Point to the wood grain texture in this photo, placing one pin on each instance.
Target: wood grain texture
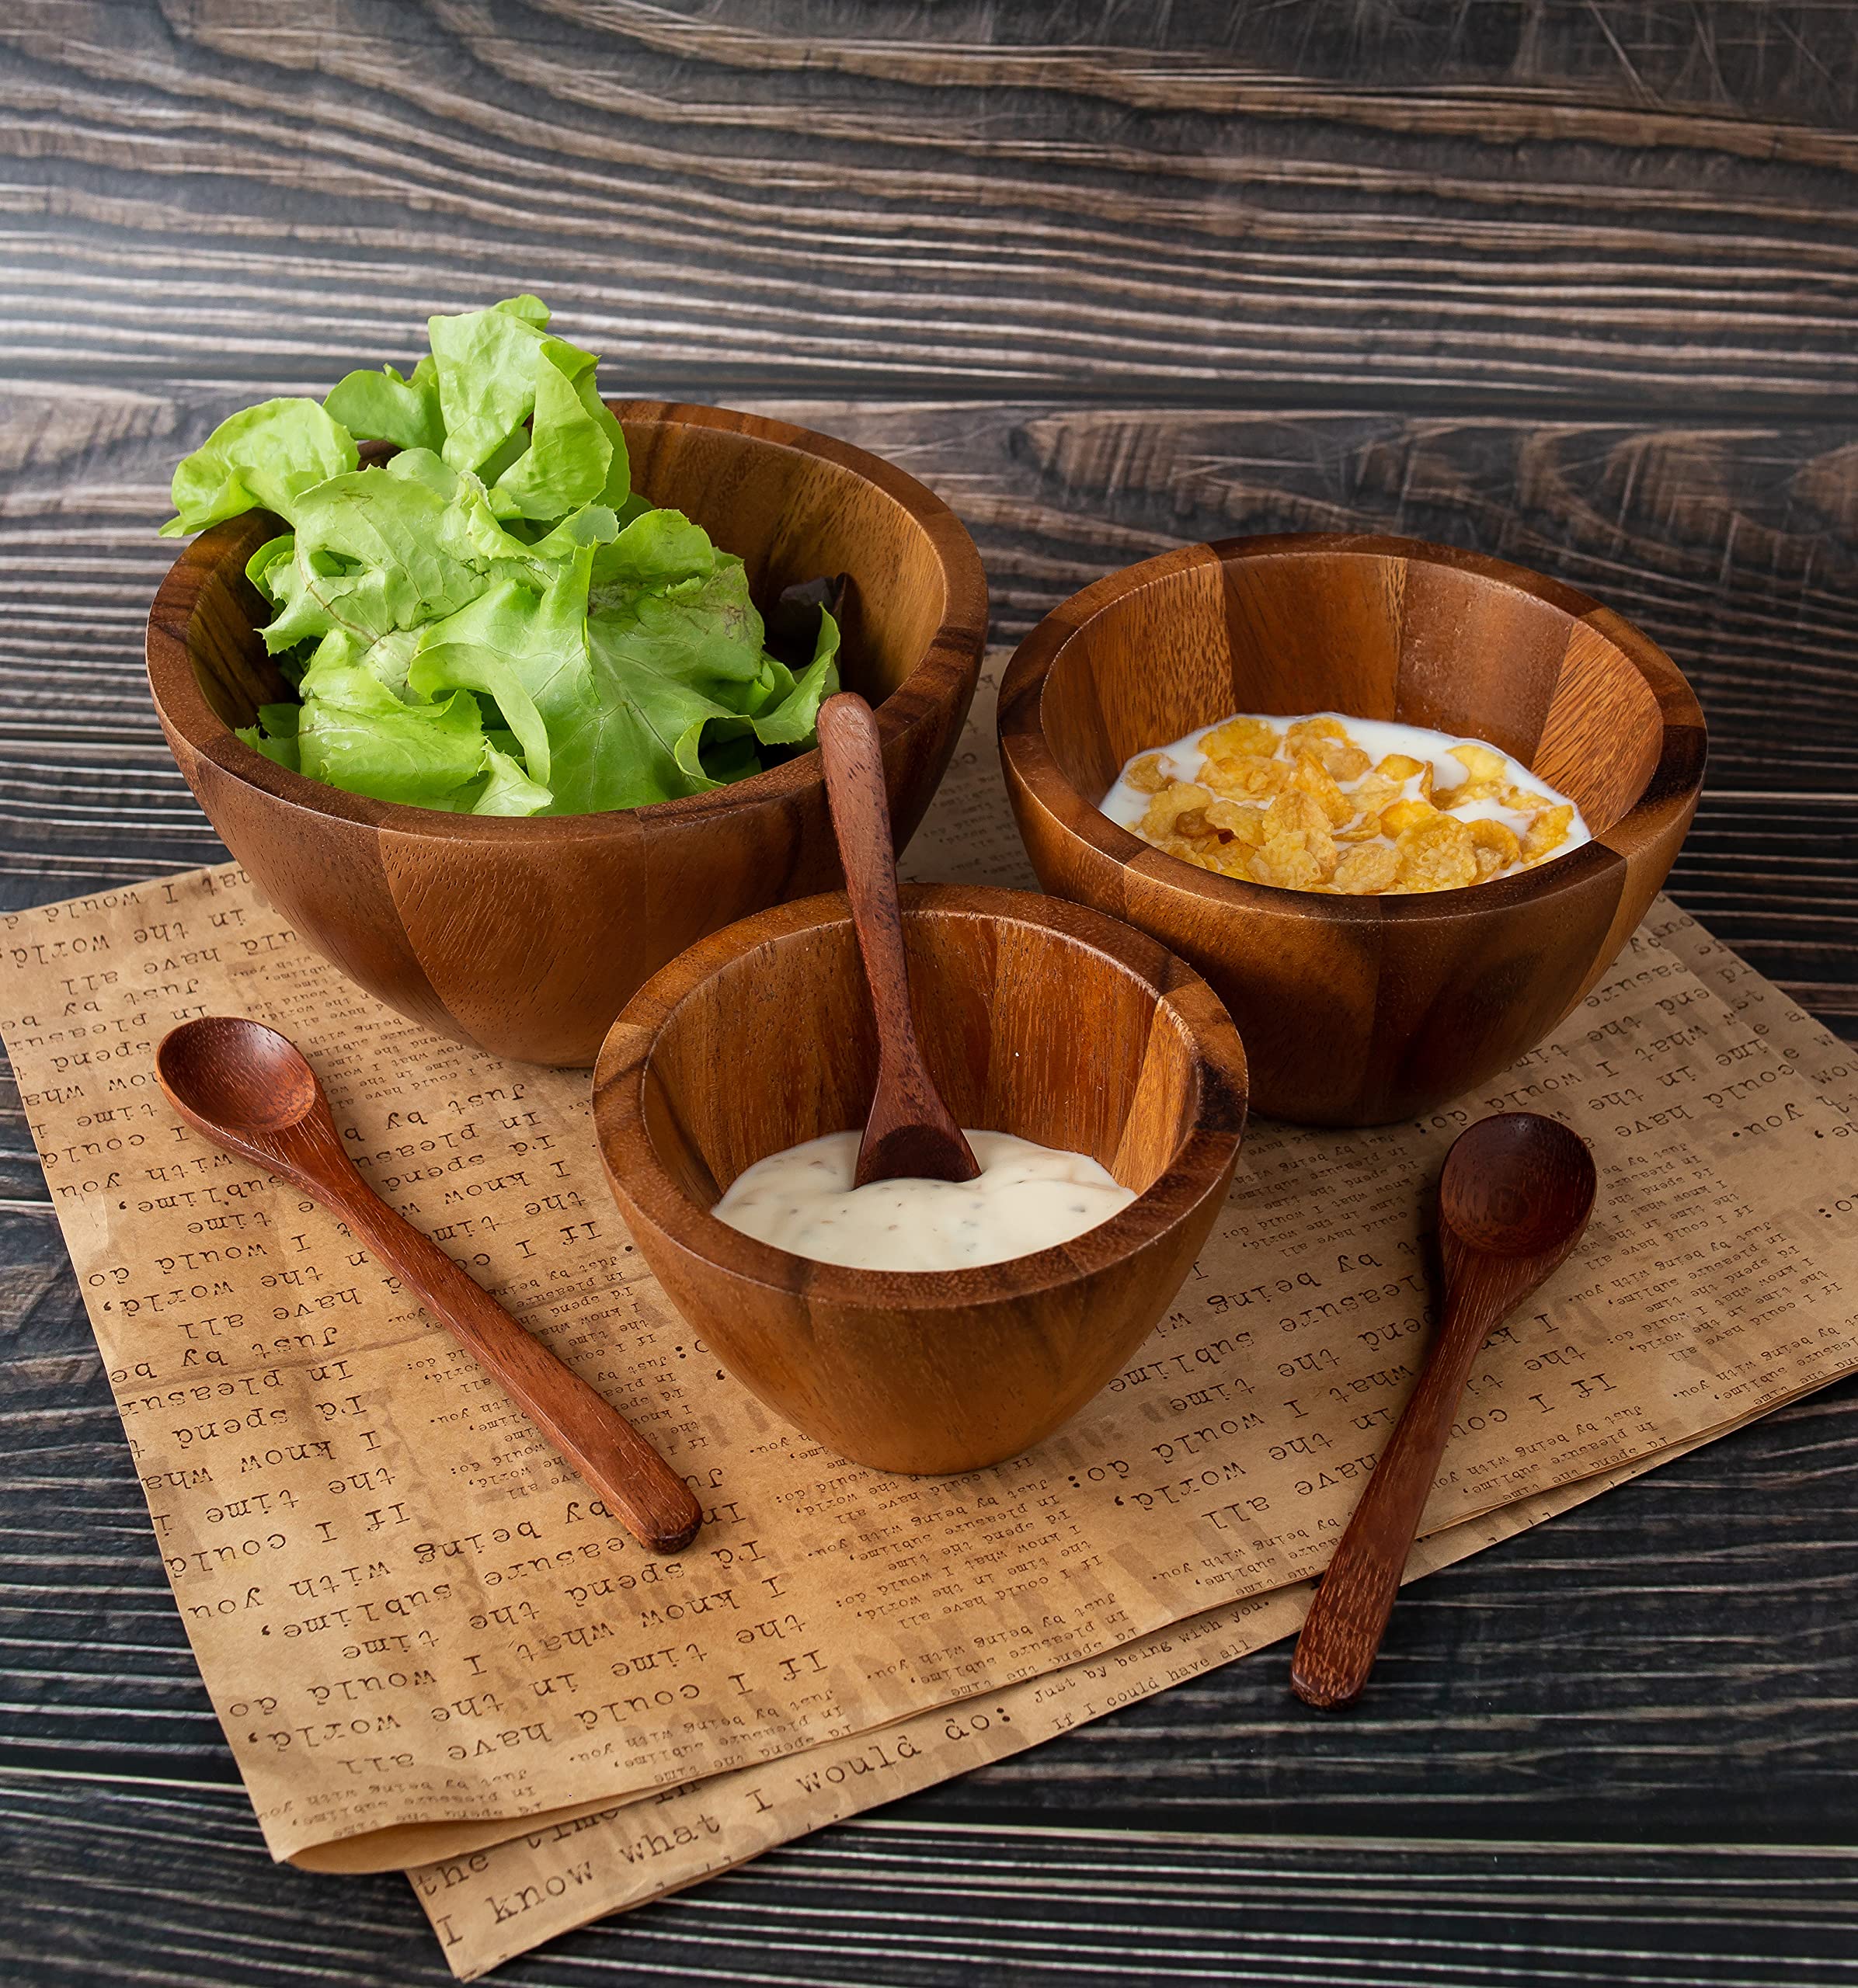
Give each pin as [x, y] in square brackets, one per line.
[1360, 1010]
[1514, 1198]
[930, 1371]
[890, 1903]
[1581, 207]
[1570, 284]
[909, 1133]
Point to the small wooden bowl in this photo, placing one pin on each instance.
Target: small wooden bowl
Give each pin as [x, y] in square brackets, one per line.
[528, 937]
[1356, 1011]
[1036, 1017]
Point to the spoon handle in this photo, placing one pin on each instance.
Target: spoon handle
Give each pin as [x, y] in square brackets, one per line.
[1341, 1634]
[634, 1482]
[911, 1130]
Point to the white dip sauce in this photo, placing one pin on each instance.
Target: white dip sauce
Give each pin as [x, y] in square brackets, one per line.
[1025, 1197]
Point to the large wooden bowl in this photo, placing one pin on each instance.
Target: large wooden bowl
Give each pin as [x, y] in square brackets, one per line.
[528, 937]
[1356, 1011]
[1037, 1017]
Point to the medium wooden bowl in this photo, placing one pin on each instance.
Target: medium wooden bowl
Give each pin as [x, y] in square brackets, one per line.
[1036, 1017]
[1356, 1011]
[528, 937]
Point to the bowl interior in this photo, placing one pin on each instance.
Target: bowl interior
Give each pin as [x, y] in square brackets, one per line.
[1371, 634]
[790, 515]
[1026, 1030]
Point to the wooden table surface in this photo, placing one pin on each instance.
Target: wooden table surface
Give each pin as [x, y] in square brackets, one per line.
[1571, 281]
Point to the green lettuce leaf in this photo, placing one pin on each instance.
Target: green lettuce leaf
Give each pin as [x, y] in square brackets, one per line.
[618, 491]
[385, 659]
[565, 463]
[302, 615]
[493, 620]
[656, 549]
[378, 550]
[275, 734]
[485, 365]
[273, 552]
[527, 306]
[509, 791]
[355, 734]
[527, 651]
[790, 716]
[683, 661]
[662, 690]
[384, 407]
[426, 466]
[592, 524]
[263, 458]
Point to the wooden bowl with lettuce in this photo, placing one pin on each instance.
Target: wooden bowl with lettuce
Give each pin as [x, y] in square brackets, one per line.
[504, 694]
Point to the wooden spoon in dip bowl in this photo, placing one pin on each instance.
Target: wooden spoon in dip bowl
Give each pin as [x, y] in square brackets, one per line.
[1513, 1201]
[252, 1090]
[910, 1133]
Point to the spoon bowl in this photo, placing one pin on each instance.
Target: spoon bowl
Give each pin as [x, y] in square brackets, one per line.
[1517, 1185]
[526, 934]
[223, 1070]
[1036, 1018]
[1360, 1011]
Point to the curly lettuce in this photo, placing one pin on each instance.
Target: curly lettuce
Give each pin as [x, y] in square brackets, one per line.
[492, 621]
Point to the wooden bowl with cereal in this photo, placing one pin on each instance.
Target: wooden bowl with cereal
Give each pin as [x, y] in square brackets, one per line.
[1400, 804]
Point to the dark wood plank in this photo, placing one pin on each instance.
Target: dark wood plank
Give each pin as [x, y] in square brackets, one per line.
[886, 1903]
[1734, 544]
[1685, 1632]
[1590, 206]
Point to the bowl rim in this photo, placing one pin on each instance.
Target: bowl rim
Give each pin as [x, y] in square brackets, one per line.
[1671, 788]
[1201, 1164]
[952, 655]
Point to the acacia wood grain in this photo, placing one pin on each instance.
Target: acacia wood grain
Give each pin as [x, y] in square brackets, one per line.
[1514, 1199]
[1360, 1010]
[1036, 1018]
[908, 1133]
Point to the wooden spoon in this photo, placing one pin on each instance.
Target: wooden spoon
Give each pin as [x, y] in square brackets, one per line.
[910, 1133]
[1514, 1197]
[250, 1090]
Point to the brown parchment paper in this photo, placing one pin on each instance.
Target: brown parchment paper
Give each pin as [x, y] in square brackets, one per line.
[494, 1903]
[421, 1633]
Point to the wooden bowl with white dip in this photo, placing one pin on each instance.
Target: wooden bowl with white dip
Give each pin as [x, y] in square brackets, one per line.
[1357, 1010]
[1037, 1018]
